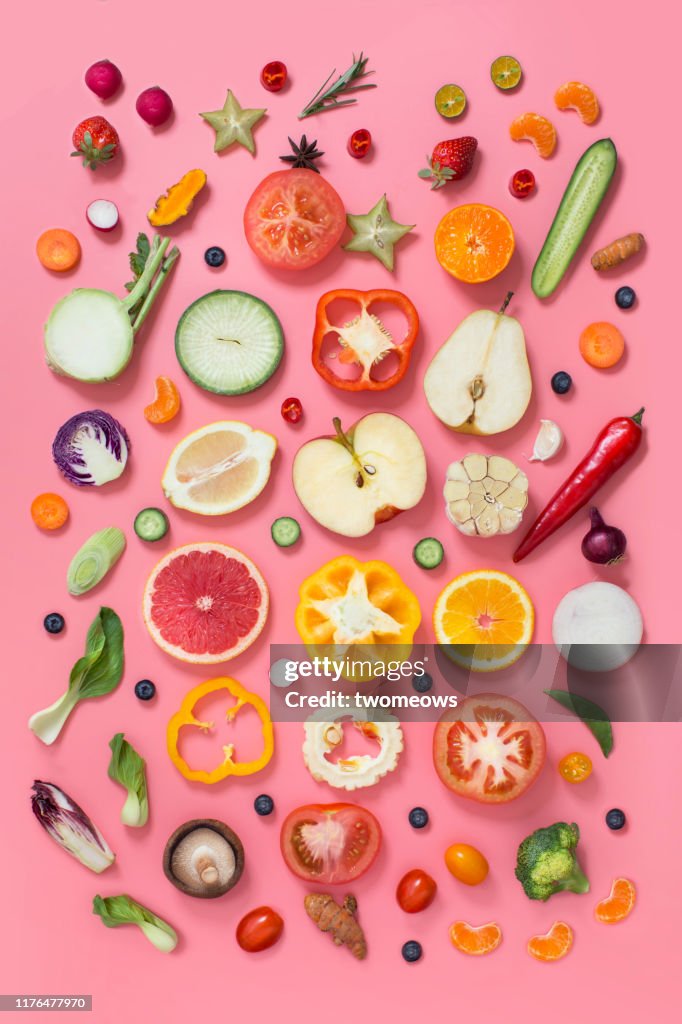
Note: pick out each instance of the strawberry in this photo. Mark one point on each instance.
(450, 160)
(96, 141)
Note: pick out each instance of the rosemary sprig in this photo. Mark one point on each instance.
(327, 96)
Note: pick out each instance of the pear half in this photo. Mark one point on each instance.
(353, 480)
(479, 381)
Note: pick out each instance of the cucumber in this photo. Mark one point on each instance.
(229, 342)
(428, 553)
(579, 203)
(151, 524)
(285, 531)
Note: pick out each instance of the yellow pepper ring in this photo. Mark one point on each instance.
(185, 717)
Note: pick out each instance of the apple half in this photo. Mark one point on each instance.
(351, 481)
(479, 381)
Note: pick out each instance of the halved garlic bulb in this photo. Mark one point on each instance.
(485, 495)
(548, 442)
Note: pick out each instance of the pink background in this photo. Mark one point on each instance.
(50, 941)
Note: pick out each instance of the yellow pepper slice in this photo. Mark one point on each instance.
(185, 717)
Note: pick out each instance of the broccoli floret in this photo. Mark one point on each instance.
(546, 862)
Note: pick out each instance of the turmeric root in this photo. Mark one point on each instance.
(619, 251)
(339, 921)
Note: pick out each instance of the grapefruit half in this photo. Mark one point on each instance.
(205, 603)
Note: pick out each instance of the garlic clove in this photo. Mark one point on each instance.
(549, 440)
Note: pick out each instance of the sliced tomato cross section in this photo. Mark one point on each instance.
(330, 844)
(294, 219)
(489, 749)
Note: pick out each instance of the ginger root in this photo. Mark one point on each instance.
(338, 920)
(617, 252)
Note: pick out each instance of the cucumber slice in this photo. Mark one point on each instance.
(579, 203)
(151, 524)
(428, 553)
(229, 342)
(285, 531)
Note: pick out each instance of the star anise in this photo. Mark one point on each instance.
(304, 154)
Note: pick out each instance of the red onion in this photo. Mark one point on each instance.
(603, 544)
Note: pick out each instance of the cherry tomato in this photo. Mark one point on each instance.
(360, 143)
(259, 929)
(489, 749)
(294, 219)
(330, 844)
(466, 864)
(575, 767)
(292, 410)
(415, 891)
(522, 184)
(273, 77)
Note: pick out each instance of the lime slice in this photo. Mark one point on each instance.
(506, 72)
(450, 100)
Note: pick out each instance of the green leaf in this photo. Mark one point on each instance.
(118, 910)
(425, 173)
(594, 717)
(128, 768)
(138, 259)
(100, 669)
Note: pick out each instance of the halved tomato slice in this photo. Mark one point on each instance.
(489, 749)
(294, 219)
(330, 844)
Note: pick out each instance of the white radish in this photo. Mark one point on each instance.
(597, 627)
(102, 214)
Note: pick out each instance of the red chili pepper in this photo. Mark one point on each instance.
(617, 442)
(364, 340)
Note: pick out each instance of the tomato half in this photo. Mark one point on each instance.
(294, 219)
(489, 749)
(330, 843)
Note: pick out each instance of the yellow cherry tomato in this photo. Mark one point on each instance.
(575, 767)
(466, 864)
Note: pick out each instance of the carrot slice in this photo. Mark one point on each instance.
(58, 249)
(601, 345)
(166, 403)
(49, 511)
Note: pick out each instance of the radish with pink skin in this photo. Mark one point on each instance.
(104, 79)
(102, 214)
(154, 106)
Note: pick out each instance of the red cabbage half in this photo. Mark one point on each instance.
(91, 448)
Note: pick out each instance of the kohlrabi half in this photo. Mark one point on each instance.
(90, 333)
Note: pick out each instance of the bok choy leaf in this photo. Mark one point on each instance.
(128, 768)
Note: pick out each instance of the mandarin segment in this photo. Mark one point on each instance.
(618, 904)
(579, 97)
(554, 945)
(166, 404)
(536, 129)
(475, 941)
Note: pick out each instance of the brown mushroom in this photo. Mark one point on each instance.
(204, 858)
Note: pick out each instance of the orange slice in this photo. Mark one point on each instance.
(536, 129)
(475, 941)
(579, 97)
(554, 945)
(485, 618)
(618, 904)
(166, 402)
(474, 243)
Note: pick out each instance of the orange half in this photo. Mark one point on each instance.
(579, 97)
(474, 243)
(536, 129)
(618, 905)
(554, 945)
(475, 941)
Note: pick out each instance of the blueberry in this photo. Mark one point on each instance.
(54, 622)
(422, 683)
(412, 951)
(215, 256)
(561, 382)
(418, 817)
(625, 297)
(615, 819)
(264, 805)
(145, 689)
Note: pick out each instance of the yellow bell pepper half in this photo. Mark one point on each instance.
(185, 718)
(348, 602)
